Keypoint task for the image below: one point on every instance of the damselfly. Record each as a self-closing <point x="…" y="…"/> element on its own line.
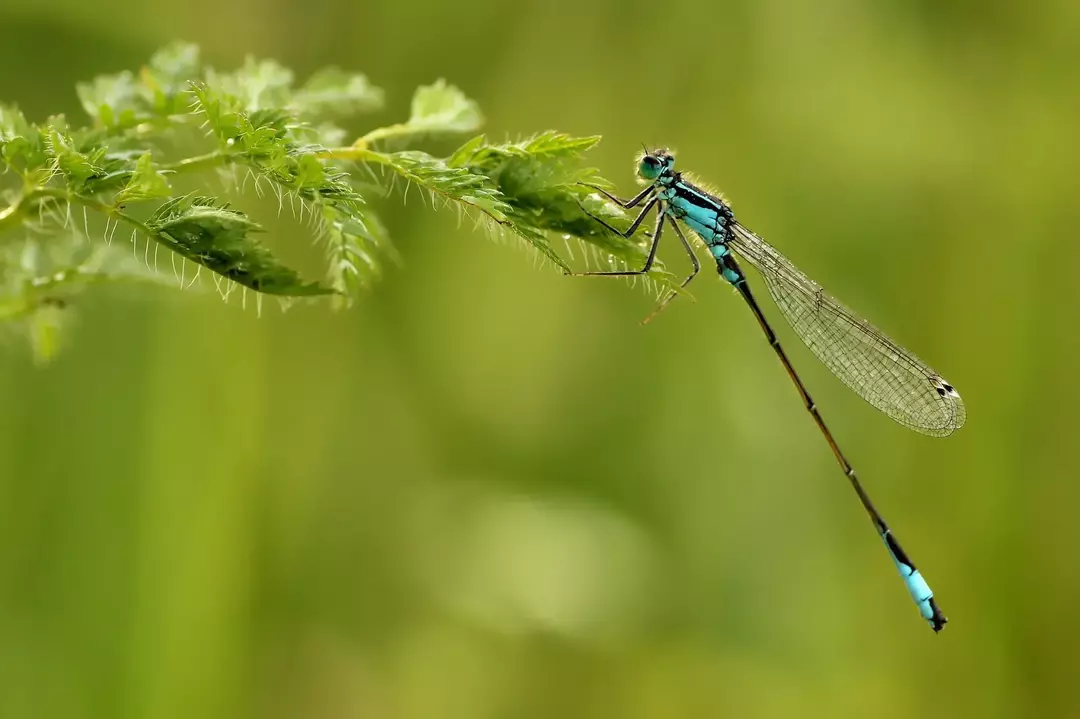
<point x="882" y="372"/>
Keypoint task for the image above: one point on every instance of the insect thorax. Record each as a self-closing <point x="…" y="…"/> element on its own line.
<point x="708" y="216"/>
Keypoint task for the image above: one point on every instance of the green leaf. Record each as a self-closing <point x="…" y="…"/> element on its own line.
<point x="167" y="78"/>
<point x="453" y="183"/>
<point x="121" y="101"/>
<point x="264" y="140"/>
<point x="331" y="92"/>
<point x="218" y="238"/>
<point x="113" y="101"/>
<point x="440" y="108"/>
<point x="175" y="65"/>
<point x="543" y="147"/>
<point x="470" y="190"/>
<point x="465" y="154"/>
<point x="540" y="180"/>
<point x="263" y="125"/>
<point x="258" y="85"/>
<point x="437" y="110"/>
<point x="46" y="325"/>
<point x="40" y="281"/>
<point x="219" y="110"/>
<point x="22" y="146"/>
<point x="146" y="183"/>
<point x="356" y="239"/>
<point x="78" y="168"/>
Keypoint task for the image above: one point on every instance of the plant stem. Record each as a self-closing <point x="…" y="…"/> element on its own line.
<point x="9" y="215"/>
<point x="385" y="133"/>
<point x="38" y="289"/>
<point x="354" y="153"/>
<point x="14" y="214"/>
<point x="199" y="162"/>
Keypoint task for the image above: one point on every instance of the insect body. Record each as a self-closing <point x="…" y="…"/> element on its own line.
<point x="884" y="374"/>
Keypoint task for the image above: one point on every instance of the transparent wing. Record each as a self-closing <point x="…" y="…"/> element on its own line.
<point x="882" y="372"/>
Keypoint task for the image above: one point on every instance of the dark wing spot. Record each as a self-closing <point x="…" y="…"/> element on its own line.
<point x="940" y="391"/>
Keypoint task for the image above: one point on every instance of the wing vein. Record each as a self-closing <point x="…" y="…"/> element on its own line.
<point x="880" y="371"/>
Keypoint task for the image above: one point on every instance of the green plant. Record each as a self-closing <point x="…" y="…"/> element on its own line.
<point x="142" y="172"/>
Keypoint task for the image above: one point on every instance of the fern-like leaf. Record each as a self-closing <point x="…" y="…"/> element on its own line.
<point x="219" y="238"/>
<point x="174" y="119"/>
<point x="438" y="110"/>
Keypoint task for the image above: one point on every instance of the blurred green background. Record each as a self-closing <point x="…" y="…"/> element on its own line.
<point x="487" y="491"/>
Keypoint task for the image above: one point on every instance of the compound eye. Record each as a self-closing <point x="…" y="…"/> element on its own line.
<point x="649" y="167"/>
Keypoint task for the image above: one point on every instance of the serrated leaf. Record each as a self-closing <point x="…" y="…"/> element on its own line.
<point x="266" y="141"/>
<point x="457" y="184"/>
<point x="146" y="183"/>
<point x="326" y="134"/>
<point x="84" y="161"/>
<point x="540" y="180"/>
<point x="174" y="65"/>
<point x="262" y="136"/>
<point x="167" y="78"/>
<point x="441" y="108"/>
<point x="220" y="110"/>
<point x="78" y="168"/>
<point x="219" y="239"/>
<point x="113" y="101"/>
<point x="257" y="85"/>
<point x="356" y="239"/>
<point x="22" y="146"/>
<point x="332" y="92"/>
<point x="437" y="110"/>
<point x="272" y="131"/>
<point x="464" y="154"/>
<point x="453" y="183"/>
<point x="263" y="140"/>
<point x="545" y="146"/>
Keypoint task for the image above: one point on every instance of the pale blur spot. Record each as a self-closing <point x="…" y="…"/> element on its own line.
<point x="519" y="564"/>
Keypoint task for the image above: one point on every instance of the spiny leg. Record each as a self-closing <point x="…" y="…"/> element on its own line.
<point x="633" y="225"/>
<point x="629" y="232"/>
<point x="693" y="273"/>
<point x="625" y="204"/>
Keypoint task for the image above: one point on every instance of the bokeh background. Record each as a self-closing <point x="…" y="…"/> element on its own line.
<point x="486" y="491"/>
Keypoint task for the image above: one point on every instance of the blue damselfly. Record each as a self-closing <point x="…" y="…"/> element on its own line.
<point x="884" y="374"/>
